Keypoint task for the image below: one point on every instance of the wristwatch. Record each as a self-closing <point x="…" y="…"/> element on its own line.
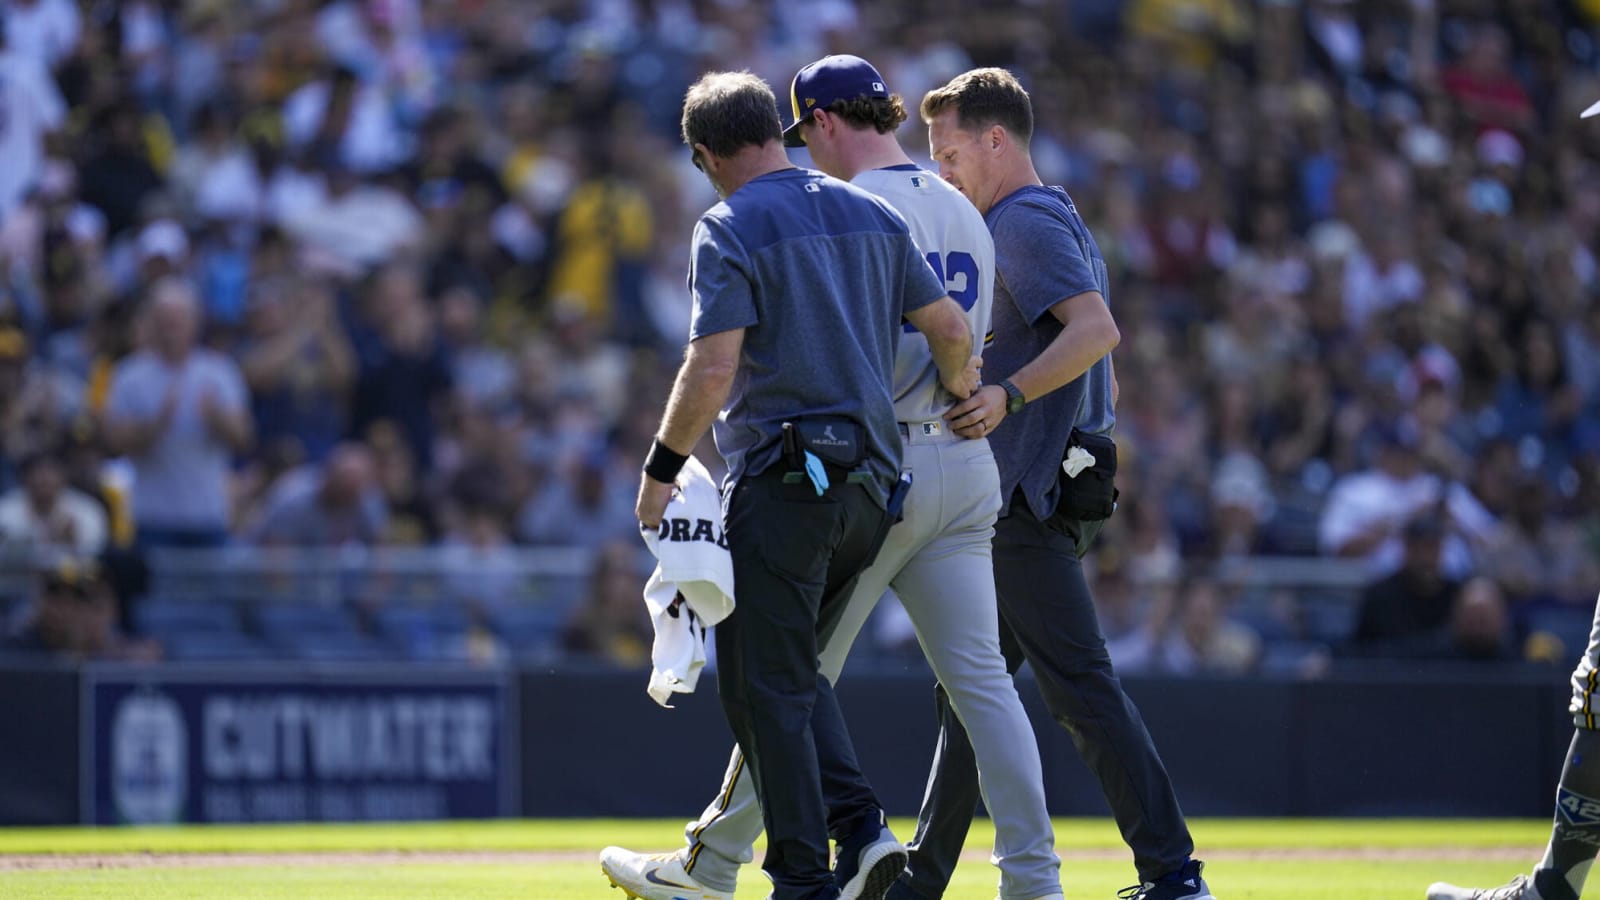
<point x="1014" y="398"/>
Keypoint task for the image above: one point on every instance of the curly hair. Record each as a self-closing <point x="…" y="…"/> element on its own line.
<point x="883" y="114"/>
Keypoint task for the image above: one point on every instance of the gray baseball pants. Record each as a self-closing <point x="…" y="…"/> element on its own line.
<point x="1048" y="620"/>
<point x="939" y="561"/>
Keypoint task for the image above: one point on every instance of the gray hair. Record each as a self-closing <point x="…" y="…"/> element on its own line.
<point x="727" y="111"/>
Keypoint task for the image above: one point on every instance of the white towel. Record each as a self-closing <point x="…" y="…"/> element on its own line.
<point x="692" y="586"/>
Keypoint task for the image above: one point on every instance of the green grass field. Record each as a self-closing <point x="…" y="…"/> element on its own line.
<point x="1247" y="859"/>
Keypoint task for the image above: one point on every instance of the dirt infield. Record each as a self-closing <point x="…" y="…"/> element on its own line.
<point x="71" y="861"/>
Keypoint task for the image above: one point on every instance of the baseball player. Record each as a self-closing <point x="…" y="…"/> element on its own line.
<point x="801" y="283"/>
<point x="938" y="558"/>
<point x="1575" y="835"/>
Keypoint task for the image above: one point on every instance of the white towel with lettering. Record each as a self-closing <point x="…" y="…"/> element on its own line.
<point x="692" y="586"/>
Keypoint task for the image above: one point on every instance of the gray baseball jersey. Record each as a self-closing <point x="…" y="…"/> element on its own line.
<point x="958" y="247"/>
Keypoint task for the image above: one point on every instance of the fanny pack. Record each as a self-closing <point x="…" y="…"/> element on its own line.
<point x="1091" y="495"/>
<point x="835" y="440"/>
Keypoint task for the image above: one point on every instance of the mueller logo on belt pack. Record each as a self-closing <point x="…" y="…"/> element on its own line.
<point x="829" y="438"/>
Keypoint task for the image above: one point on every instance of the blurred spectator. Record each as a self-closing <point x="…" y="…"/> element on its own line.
<point x="1484" y="85"/>
<point x="612" y="624"/>
<point x="178" y="412"/>
<point x="1124" y="619"/>
<point x="589" y="367"/>
<point x="1241" y="506"/>
<point x="215" y="175"/>
<point x="1366" y="511"/>
<point x="348" y="225"/>
<point x="602" y="239"/>
<point x="447" y="163"/>
<point x="1191" y="633"/>
<point x="117" y="173"/>
<point x="585" y="506"/>
<point x="1402" y="615"/>
<point x="1380" y="278"/>
<point x="75" y="616"/>
<point x="45" y="513"/>
<point x="46" y="30"/>
<point x="347" y="119"/>
<point x="412" y="520"/>
<point x="33" y="107"/>
<point x="1538" y="554"/>
<point x="484" y="374"/>
<point x="332" y="505"/>
<point x="480" y="568"/>
<point x="298" y="365"/>
<point x="1480" y="626"/>
<point x="402" y="368"/>
<point x="34" y="406"/>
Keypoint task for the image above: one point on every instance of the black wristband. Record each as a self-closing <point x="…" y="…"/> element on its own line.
<point x="663" y="463"/>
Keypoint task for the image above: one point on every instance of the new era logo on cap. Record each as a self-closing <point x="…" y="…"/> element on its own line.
<point x="827" y="81"/>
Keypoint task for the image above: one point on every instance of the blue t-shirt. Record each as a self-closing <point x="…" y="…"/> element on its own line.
<point x="819" y="274"/>
<point x="1043" y="255"/>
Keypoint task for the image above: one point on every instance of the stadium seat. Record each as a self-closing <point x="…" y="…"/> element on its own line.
<point x="292" y="620"/>
<point x="340" y="647"/>
<point x="1289" y="658"/>
<point x="530" y="629"/>
<point x="158" y="617"/>
<point x="422" y="632"/>
<point x="313" y="630"/>
<point x="1329" y="618"/>
<point x="206" y="646"/>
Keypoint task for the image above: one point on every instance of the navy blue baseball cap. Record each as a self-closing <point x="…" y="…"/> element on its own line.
<point x="829" y="80"/>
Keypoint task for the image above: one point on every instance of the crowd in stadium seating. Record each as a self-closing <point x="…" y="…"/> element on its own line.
<point x="410" y="273"/>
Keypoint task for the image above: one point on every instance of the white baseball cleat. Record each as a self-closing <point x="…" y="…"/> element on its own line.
<point x="1520" y="888"/>
<point x="654" y="876"/>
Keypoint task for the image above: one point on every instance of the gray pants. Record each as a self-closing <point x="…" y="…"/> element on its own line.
<point x="938" y="561"/>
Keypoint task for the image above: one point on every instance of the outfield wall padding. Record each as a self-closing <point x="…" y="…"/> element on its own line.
<point x="1368" y="742"/>
<point x="1383" y="742"/>
<point x="39" y="763"/>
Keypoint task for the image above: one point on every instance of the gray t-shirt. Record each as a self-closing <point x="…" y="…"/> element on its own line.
<point x="819" y="274"/>
<point x="1043" y="255"/>
<point x="180" y="481"/>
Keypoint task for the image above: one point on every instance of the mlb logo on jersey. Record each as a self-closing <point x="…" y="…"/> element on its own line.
<point x="917" y="181"/>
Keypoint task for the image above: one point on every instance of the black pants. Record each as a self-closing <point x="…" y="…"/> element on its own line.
<point x="1047" y="618"/>
<point x="796" y="557"/>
